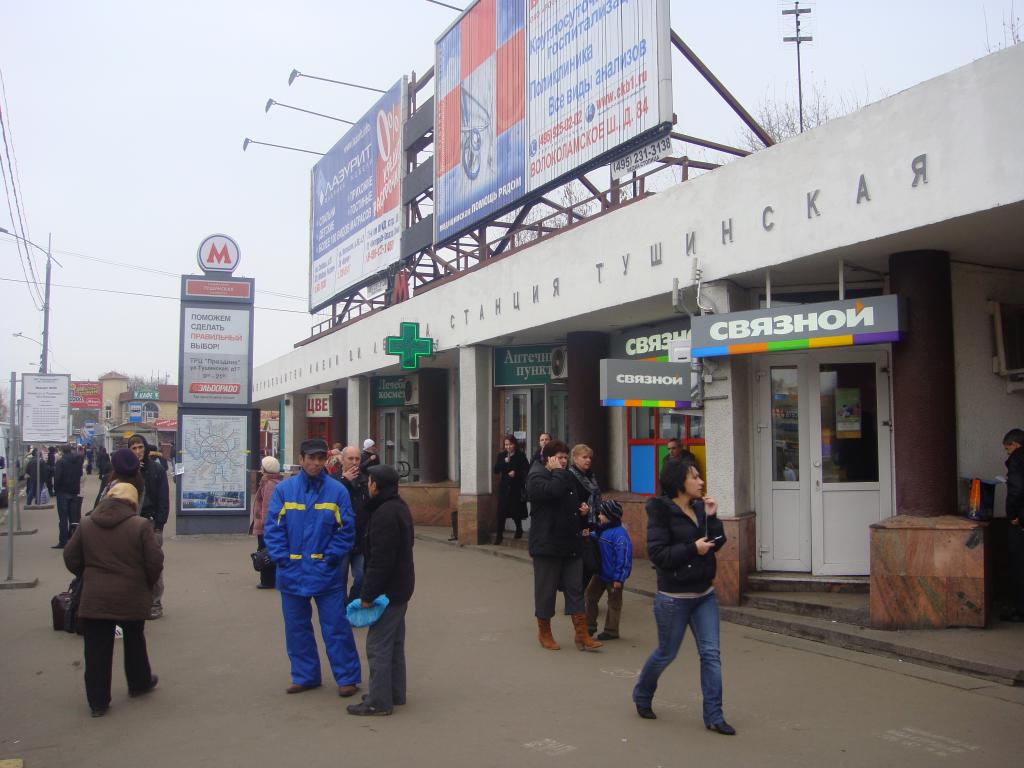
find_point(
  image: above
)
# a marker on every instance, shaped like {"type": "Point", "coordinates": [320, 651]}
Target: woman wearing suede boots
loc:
{"type": "Point", "coordinates": [555, 545]}
{"type": "Point", "coordinates": [683, 534]}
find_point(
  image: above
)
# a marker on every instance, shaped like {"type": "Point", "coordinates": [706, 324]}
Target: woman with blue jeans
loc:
{"type": "Point", "coordinates": [683, 533]}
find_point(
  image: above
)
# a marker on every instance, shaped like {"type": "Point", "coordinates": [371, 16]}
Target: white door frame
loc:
{"type": "Point", "coordinates": [804, 528]}
{"type": "Point", "coordinates": [796, 527]}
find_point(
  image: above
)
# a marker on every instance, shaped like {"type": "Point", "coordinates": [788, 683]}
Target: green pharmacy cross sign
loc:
{"type": "Point", "coordinates": [409, 346]}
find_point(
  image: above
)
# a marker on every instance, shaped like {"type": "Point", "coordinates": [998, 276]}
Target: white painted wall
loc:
{"type": "Point", "coordinates": [985, 411]}
{"type": "Point", "coordinates": [973, 107]}
{"type": "Point", "coordinates": [475, 419]}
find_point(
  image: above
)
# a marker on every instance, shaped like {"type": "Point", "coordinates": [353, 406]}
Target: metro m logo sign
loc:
{"type": "Point", "coordinates": [218, 253]}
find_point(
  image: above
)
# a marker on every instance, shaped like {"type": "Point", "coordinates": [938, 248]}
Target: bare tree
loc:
{"type": "Point", "coordinates": [781, 118]}
{"type": "Point", "coordinates": [1012, 29]}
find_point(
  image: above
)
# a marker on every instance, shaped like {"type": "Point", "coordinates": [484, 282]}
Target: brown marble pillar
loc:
{"type": "Point", "coordinates": [924, 396]}
{"type": "Point", "coordinates": [588, 422]}
{"type": "Point", "coordinates": [433, 425]}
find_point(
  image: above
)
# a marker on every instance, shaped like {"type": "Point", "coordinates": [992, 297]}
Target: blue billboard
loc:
{"type": "Point", "coordinates": [357, 221]}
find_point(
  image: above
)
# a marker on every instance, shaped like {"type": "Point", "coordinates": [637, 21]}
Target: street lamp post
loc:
{"type": "Point", "coordinates": [44, 357]}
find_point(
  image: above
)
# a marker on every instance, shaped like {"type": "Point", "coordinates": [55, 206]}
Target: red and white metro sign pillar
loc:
{"type": "Point", "coordinates": [218, 253]}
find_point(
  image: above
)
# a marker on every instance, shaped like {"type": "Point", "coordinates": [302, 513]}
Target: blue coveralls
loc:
{"type": "Point", "coordinates": [309, 531]}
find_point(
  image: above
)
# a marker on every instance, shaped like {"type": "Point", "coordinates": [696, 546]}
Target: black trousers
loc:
{"type": "Point", "coordinates": [268, 576]}
{"type": "Point", "coordinates": [99, 658]}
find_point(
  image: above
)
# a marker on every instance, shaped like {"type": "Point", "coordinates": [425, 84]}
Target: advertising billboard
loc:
{"type": "Point", "coordinates": [216, 348]}
{"type": "Point", "coordinates": [532, 91]}
{"type": "Point", "coordinates": [86, 394]}
{"type": "Point", "coordinates": [356, 212]}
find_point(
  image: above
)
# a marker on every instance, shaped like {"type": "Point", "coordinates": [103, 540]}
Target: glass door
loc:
{"type": "Point", "coordinates": [388, 430]}
{"type": "Point", "coordinates": [785, 527]}
{"type": "Point", "coordinates": [850, 462]}
{"type": "Point", "coordinates": [517, 416]}
{"type": "Point", "coordinates": [558, 413]}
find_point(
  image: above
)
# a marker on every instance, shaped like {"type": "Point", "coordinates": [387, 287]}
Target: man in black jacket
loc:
{"type": "Point", "coordinates": [389, 571]}
{"type": "Point", "coordinates": [1013, 442]}
{"type": "Point", "coordinates": [67, 484]}
{"type": "Point", "coordinates": [154, 504]}
{"type": "Point", "coordinates": [555, 545]}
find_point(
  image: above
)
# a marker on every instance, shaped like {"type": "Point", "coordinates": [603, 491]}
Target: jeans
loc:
{"type": "Point", "coordinates": [65, 513]}
{"type": "Point", "coordinates": [672, 616]}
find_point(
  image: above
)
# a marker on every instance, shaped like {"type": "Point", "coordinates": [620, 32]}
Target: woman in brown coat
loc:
{"type": "Point", "coordinates": [269, 478]}
{"type": "Point", "coordinates": [117, 555]}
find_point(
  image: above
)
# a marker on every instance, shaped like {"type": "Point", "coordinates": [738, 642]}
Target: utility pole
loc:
{"type": "Point", "coordinates": [44, 359]}
{"type": "Point", "coordinates": [796, 12]}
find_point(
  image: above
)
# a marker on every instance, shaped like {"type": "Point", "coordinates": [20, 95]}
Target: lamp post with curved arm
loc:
{"type": "Point", "coordinates": [44, 357]}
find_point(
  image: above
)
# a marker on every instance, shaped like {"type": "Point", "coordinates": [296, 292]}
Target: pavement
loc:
{"type": "Point", "coordinates": [482, 692]}
{"type": "Point", "coordinates": [995, 653]}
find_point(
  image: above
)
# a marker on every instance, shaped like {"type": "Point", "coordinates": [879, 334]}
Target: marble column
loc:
{"type": "Point", "coordinates": [476, 503]}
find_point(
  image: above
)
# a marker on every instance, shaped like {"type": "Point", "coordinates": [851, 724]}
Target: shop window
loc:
{"type": "Point", "coordinates": [150, 411]}
{"type": "Point", "coordinates": [649, 431]}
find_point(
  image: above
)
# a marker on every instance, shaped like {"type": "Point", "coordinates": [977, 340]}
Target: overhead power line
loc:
{"type": "Point", "coordinates": [19, 222]}
{"type": "Point", "coordinates": [143, 295]}
{"type": "Point", "coordinates": [153, 270]}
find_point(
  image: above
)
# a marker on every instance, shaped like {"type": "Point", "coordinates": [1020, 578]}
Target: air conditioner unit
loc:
{"type": "Point", "coordinates": [414, 426]}
{"type": "Point", "coordinates": [412, 390]}
{"type": "Point", "coordinates": [559, 363]}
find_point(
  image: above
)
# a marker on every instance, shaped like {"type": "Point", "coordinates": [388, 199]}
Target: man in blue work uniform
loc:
{"type": "Point", "coordinates": [309, 531]}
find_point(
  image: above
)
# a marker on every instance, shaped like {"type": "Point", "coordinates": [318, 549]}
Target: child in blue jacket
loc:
{"type": "Point", "coordinates": [616, 564]}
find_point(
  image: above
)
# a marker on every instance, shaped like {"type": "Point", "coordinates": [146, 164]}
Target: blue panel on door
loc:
{"type": "Point", "coordinates": [641, 469]}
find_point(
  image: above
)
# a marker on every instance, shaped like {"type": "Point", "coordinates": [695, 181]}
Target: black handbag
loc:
{"type": "Point", "coordinates": [260, 560]}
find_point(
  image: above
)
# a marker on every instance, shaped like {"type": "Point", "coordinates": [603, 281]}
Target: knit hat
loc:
{"type": "Point", "coordinates": [368, 443]}
{"type": "Point", "coordinates": [270, 465]}
{"type": "Point", "coordinates": [611, 509]}
{"type": "Point", "coordinates": [125, 462]}
{"type": "Point", "coordinates": [124, 492]}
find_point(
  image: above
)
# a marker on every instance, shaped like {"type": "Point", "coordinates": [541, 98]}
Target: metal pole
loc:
{"type": "Point", "coordinates": [799, 76]}
{"type": "Point", "coordinates": [44, 361]}
{"type": "Point", "coordinates": [12, 491]}
{"type": "Point", "coordinates": [17, 455]}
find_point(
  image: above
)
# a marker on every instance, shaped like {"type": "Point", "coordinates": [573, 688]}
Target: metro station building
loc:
{"type": "Point", "coordinates": [840, 455]}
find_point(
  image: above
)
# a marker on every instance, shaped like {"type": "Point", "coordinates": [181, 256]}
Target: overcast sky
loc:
{"type": "Point", "coordinates": [128, 117]}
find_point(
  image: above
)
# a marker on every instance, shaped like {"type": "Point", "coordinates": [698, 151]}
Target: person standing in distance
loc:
{"type": "Point", "coordinates": [67, 484]}
{"type": "Point", "coordinates": [538, 456]}
{"type": "Point", "coordinates": [308, 532]}
{"type": "Point", "coordinates": [389, 571]}
{"type": "Point", "coordinates": [1013, 442]}
{"type": "Point", "coordinates": [354, 481]}
{"type": "Point", "coordinates": [368, 458]}
{"type": "Point", "coordinates": [154, 503]}
{"type": "Point", "coordinates": [270, 476]}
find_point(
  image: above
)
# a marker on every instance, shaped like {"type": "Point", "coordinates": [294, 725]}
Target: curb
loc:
{"type": "Point", "coordinates": [838, 635]}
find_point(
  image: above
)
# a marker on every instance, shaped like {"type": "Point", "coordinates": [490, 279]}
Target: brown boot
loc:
{"type": "Point", "coordinates": [584, 642]}
{"type": "Point", "coordinates": [547, 640]}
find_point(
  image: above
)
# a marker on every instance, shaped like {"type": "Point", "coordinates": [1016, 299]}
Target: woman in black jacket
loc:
{"type": "Point", "coordinates": [512, 465]}
{"type": "Point", "coordinates": [683, 534]}
{"type": "Point", "coordinates": [555, 546]}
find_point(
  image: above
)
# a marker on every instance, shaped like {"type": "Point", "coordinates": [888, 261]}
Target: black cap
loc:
{"type": "Point", "coordinates": [316, 445]}
{"type": "Point", "coordinates": [384, 474]}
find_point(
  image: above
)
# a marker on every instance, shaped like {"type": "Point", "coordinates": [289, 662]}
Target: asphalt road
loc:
{"type": "Point", "coordinates": [482, 692]}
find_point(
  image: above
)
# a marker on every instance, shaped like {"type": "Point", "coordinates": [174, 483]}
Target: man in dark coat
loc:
{"type": "Point", "coordinates": [67, 484]}
{"type": "Point", "coordinates": [555, 545]}
{"type": "Point", "coordinates": [390, 572]}
{"type": "Point", "coordinates": [1013, 442]}
{"type": "Point", "coordinates": [154, 504]}
{"type": "Point", "coordinates": [37, 477]}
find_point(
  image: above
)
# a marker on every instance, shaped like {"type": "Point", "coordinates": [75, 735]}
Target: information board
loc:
{"type": "Point", "coordinates": [44, 400]}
